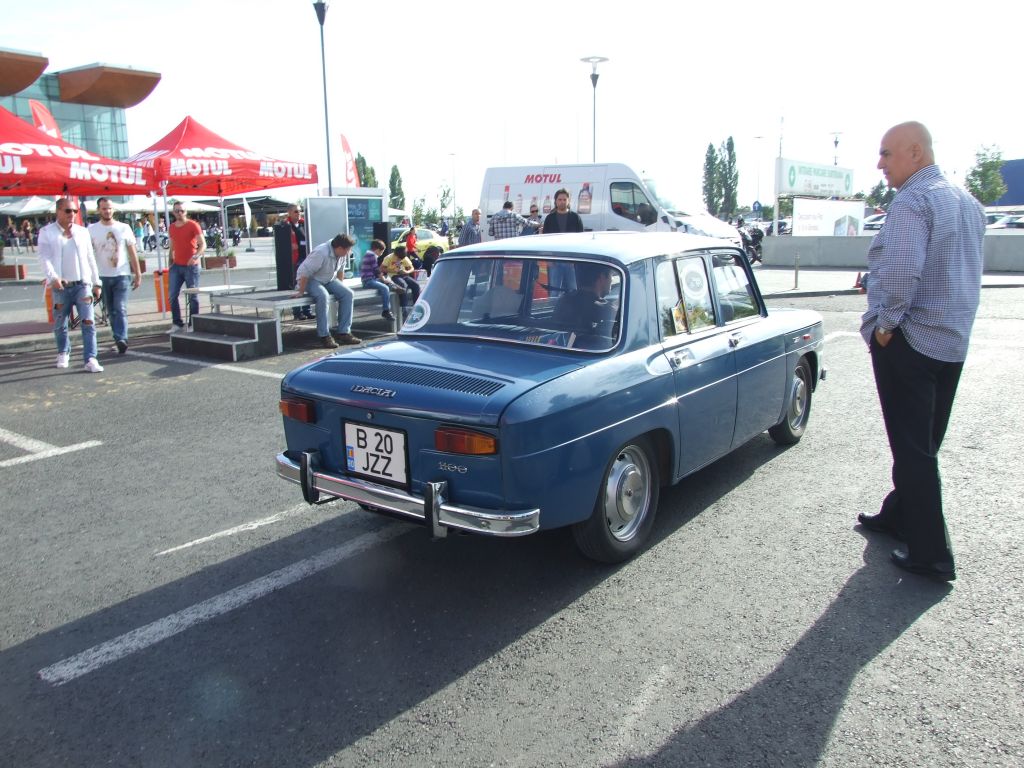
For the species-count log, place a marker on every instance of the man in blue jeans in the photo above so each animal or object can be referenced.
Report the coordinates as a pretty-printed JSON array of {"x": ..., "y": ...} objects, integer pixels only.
[
  {"x": 114, "y": 245},
  {"x": 69, "y": 266},
  {"x": 187, "y": 246},
  {"x": 318, "y": 277}
]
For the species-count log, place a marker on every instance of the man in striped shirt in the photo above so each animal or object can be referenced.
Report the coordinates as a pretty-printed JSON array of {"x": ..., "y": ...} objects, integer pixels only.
[{"x": 923, "y": 286}]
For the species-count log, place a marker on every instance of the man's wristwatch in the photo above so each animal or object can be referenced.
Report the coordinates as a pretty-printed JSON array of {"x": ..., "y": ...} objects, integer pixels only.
[{"x": 884, "y": 331}]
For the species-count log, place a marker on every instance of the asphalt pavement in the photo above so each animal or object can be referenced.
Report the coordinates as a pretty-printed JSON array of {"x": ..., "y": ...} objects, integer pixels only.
[{"x": 166, "y": 600}]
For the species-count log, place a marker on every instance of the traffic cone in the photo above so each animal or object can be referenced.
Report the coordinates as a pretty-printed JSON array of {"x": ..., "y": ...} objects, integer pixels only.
[{"x": 856, "y": 283}]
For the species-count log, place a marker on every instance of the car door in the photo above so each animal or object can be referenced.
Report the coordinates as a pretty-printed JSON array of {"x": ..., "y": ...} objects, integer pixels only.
[
  {"x": 701, "y": 360},
  {"x": 759, "y": 351}
]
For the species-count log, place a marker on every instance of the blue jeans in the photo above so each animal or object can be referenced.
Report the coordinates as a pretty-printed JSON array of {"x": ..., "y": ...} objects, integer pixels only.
[
  {"x": 382, "y": 289},
  {"x": 80, "y": 297},
  {"x": 115, "y": 299},
  {"x": 319, "y": 291},
  {"x": 189, "y": 276}
]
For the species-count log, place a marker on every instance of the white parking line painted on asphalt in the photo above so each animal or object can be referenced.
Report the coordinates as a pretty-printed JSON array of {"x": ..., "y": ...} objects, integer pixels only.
[
  {"x": 652, "y": 686},
  {"x": 139, "y": 639},
  {"x": 837, "y": 334},
  {"x": 201, "y": 364},
  {"x": 298, "y": 509},
  {"x": 37, "y": 449}
]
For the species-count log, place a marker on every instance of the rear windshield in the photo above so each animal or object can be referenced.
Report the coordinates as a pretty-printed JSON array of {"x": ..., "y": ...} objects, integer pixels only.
[{"x": 574, "y": 304}]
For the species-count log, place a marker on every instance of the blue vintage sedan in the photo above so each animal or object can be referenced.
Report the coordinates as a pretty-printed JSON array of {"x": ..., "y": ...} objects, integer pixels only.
[{"x": 555, "y": 380}]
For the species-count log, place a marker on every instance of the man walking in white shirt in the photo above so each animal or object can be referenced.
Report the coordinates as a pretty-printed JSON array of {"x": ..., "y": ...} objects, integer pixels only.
[
  {"x": 113, "y": 242},
  {"x": 69, "y": 265}
]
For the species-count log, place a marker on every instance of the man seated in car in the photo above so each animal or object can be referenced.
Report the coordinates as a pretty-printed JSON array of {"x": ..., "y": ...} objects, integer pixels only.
[{"x": 586, "y": 309}]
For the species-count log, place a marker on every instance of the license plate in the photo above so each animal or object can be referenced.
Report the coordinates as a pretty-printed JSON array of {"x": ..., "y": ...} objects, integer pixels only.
[{"x": 376, "y": 453}]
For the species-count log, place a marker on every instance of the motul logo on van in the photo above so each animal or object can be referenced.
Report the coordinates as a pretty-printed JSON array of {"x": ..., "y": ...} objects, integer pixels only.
[{"x": 543, "y": 178}]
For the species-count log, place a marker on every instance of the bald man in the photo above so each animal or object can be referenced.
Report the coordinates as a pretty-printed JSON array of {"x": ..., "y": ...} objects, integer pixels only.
[{"x": 923, "y": 286}]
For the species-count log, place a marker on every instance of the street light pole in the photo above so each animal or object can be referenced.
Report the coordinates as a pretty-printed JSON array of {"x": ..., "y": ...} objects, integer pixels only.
[
  {"x": 455, "y": 208},
  {"x": 321, "y": 14},
  {"x": 593, "y": 61}
]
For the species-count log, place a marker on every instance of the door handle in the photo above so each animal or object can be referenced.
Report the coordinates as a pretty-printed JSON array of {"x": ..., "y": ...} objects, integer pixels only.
[
  {"x": 682, "y": 358},
  {"x": 735, "y": 339}
]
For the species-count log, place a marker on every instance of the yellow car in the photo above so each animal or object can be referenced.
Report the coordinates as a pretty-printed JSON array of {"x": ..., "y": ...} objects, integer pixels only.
[{"x": 424, "y": 239}]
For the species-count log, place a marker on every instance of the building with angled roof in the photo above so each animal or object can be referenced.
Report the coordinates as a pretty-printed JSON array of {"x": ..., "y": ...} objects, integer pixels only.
[{"x": 88, "y": 103}]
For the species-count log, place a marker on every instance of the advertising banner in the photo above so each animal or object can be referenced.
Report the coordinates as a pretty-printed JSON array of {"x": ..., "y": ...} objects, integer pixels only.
[
  {"x": 795, "y": 177},
  {"x": 827, "y": 218}
]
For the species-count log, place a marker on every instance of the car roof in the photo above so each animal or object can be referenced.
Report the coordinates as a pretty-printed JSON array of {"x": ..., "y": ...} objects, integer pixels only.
[{"x": 622, "y": 247}]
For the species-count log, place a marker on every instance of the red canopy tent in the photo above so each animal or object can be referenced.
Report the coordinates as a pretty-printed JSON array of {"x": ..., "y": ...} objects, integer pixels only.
[
  {"x": 32, "y": 163},
  {"x": 193, "y": 160}
]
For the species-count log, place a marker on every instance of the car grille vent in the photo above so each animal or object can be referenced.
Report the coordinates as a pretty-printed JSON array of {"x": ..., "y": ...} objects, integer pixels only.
[{"x": 411, "y": 374}]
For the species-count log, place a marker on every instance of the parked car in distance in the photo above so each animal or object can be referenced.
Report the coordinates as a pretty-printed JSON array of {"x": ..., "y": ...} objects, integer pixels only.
[
  {"x": 555, "y": 380},
  {"x": 874, "y": 221},
  {"x": 424, "y": 239},
  {"x": 1013, "y": 221}
]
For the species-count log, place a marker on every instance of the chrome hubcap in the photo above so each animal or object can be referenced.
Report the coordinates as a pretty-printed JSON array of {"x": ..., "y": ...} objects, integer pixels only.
[{"x": 627, "y": 494}]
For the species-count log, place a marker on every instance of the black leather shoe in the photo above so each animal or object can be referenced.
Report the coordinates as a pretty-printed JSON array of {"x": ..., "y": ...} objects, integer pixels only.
[
  {"x": 880, "y": 525},
  {"x": 938, "y": 571}
]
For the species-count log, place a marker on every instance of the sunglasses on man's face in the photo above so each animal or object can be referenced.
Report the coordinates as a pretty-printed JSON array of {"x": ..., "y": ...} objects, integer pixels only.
[{"x": 70, "y": 210}]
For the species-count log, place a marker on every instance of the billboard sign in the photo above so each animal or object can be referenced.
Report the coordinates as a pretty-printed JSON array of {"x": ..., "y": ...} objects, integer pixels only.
[
  {"x": 794, "y": 177},
  {"x": 827, "y": 218}
]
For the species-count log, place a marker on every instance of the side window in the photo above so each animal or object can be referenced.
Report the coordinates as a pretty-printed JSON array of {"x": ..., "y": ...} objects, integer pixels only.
[
  {"x": 630, "y": 202},
  {"x": 732, "y": 287},
  {"x": 697, "y": 309},
  {"x": 670, "y": 316}
]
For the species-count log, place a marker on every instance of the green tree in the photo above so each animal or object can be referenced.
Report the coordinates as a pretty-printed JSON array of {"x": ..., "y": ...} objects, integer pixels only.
[
  {"x": 446, "y": 198},
  {"x": 729, "y": 177},
  {"x": 984, "y": 180},
  {"x": 397, "y": 196},
  {"x": 367, "y": 176},
  {"x": 881, "y": 195},
  {"x": 711, "y": 188}
]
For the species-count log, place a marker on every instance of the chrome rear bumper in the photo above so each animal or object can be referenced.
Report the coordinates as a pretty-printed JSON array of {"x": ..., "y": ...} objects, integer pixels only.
[{"x": 433, "y": 509}]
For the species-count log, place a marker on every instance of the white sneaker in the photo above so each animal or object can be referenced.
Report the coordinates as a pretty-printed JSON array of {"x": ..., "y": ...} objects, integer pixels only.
[
  {"x": 62, "y": 359},
  {"x": 93, "y": 366},
  {"x": 176, "y": 329}
]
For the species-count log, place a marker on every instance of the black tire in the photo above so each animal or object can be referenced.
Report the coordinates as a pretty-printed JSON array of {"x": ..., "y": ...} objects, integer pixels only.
[
  {"x": 798, "y": 407},
  {"x": 627, "y": 502}
]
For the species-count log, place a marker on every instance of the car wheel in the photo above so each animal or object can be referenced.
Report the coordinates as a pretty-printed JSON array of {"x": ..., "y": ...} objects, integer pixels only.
[
  {"x": 798, "y": 407},
  {"x": 626, "y": 504}
]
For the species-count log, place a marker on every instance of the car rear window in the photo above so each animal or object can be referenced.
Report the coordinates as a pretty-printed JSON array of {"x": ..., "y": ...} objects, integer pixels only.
[{"x": 566, "y": 303}]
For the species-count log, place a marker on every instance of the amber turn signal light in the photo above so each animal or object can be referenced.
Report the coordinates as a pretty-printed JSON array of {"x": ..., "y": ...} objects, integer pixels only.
[
  {"x": 298, "y": 409},
  {"x": 465, "y": 441}
]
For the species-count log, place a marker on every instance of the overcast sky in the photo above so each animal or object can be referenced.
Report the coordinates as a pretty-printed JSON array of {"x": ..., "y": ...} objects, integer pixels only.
[{"x": 448, "y": 89}]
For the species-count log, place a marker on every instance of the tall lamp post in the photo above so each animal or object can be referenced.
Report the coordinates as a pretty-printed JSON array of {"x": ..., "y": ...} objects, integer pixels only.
[
  {"x": 455, "y": 208},
  {"x": 321, "y": 14},
  {"x": 593, "y": 61}
]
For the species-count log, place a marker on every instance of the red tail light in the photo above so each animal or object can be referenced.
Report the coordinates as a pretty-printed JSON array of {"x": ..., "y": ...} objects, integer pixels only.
[
  {"x": 465, "y": 441},
  {"x": 298, "y": 409}
]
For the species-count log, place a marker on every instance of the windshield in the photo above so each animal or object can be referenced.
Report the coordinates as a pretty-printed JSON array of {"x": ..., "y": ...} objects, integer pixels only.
[{"x": 568, "y": 303}]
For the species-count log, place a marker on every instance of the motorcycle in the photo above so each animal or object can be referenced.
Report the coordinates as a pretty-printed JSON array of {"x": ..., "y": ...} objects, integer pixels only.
[
  {"x": 751, "y": 237},
  {"x": 236, "y": 236}
]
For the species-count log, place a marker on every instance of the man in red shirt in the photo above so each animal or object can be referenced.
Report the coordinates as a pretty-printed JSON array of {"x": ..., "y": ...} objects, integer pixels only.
[{"x": 187, "y": 246}]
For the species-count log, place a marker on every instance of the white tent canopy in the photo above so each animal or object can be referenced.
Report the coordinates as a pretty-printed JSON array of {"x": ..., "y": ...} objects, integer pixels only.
[
  {"x": 143, "y": 203},
  {"x": 29, "y": 206}
]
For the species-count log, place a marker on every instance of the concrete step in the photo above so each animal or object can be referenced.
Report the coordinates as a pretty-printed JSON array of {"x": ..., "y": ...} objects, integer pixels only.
[
  {"x": 217, "y": 345},
  {"x": 248, "y": 327}
]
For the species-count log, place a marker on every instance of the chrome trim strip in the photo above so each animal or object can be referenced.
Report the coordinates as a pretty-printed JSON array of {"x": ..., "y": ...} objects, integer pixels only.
[{"x": 475, "y": 519}]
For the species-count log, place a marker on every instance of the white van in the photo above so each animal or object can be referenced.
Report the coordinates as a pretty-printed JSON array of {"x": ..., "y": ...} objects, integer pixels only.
[{"x": 607, "y": 196}]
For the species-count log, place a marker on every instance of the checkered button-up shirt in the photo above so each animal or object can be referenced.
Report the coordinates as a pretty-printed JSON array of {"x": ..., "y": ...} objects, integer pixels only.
[
  {"x": 924, "y": 267},
  {"x": 506, "y": 223}
]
